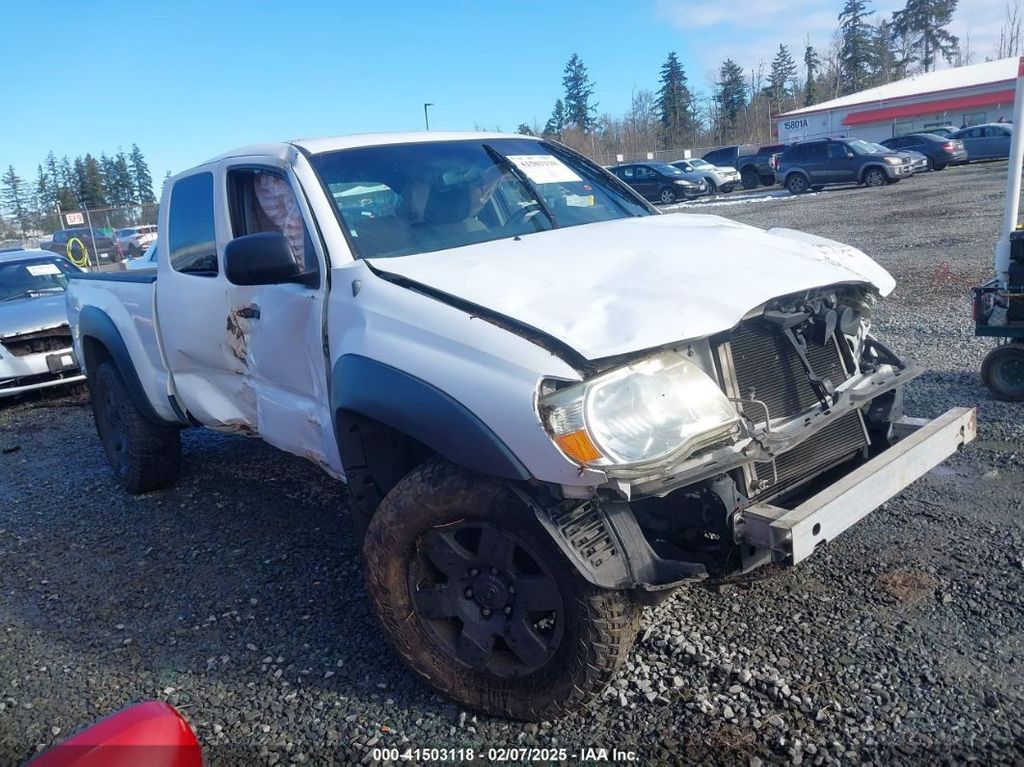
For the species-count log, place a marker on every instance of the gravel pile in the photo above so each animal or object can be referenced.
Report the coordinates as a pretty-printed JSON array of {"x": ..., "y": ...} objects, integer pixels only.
[{"x": 237, "y": 595}]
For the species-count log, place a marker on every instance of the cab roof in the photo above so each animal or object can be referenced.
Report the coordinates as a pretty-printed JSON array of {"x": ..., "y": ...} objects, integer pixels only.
[{"x": 282, "y": 149}]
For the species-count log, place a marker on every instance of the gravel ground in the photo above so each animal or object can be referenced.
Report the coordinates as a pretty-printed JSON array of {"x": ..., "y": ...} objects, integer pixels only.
[{"x": 237, "y": 595}]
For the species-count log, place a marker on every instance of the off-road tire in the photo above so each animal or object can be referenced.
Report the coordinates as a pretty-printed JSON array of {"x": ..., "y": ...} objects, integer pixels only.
[
  {"x": 1002, "y": 372},
  {"x": 597, "y": 633},
  {"x": 143, "y": 455},
  {"x": 750, "y": 178}
]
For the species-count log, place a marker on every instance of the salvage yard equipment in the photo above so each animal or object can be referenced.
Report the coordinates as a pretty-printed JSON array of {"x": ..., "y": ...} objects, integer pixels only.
[{"x": 998, "y": 305}]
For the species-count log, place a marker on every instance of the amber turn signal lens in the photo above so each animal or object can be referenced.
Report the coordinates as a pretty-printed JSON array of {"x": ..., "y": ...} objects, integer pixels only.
[{"x": 577, "y": 445}]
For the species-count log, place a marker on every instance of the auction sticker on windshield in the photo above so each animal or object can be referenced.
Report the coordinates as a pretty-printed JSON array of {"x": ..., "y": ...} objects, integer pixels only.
[
  {"x": 41, "y": 270},
  {"x": 544, "y": 169}
]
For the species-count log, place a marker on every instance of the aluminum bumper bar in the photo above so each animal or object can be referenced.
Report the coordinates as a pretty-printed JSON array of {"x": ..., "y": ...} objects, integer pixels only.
[{"x": 792, "y": 534}]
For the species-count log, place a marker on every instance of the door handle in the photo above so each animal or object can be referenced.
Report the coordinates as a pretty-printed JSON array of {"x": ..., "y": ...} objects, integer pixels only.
[{"x": 251, "y": 312}]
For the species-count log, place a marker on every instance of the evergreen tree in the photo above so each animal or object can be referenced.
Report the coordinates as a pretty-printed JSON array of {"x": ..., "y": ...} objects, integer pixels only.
[
  {"x": 141, "y": 177},
  {"x": 46, "y": 191},
  {"x": 119, "y": 181},
  {"x": 889, "y": 65},
  {"x": 14, "y": 197},
  {"x": 811, "y": 64},
  {"x": 730, "y": 95},
  {"x": 675, "y": 103},
  {"x": 782, "y": 80},
  {"x": 556, "y": 123},
  {"x": 856, "y": 49},
  {"x": 91, "y": 189},
  {"x": 580, "y": 113},
  {"x": 524, "y": 130},
  {"x": 923, "y": 23}
]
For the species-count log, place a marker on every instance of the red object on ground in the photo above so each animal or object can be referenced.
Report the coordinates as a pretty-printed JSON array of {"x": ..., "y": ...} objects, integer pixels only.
[{"x": 150, "y": 734}]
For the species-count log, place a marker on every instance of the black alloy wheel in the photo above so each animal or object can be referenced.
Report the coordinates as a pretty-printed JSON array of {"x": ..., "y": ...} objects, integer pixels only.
[{"x": 486, "y": 599}]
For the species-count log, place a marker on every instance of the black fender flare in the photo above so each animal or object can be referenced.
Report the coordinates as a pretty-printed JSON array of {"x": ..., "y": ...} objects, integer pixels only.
[
  {"x": 418, "y": 409},
  {"x": 95, "y": 324}
]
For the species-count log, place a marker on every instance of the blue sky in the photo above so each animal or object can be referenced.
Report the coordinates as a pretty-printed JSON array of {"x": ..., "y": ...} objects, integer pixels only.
[{"x": 189, "y": 79}]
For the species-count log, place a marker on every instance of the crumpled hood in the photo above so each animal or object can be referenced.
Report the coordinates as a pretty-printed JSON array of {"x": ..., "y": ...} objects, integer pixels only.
[
  {"x": 27, "y": 314},
  {"x": 632, "y": 284}
]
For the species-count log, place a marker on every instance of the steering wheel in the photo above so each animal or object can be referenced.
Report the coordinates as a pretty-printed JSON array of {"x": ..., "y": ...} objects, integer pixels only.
[{"x": 524, "y": 214}]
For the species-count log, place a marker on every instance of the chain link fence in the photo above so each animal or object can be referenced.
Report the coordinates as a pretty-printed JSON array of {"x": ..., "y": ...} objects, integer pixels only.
[{"x": 92, "y": 238}]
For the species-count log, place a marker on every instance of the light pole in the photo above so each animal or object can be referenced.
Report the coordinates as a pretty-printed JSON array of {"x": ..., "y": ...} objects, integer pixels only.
[{"x": 426, "y": 117}]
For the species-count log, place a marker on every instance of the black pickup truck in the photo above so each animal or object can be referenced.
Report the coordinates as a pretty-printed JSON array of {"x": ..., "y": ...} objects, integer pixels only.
[{"x": 752, "y": 162}]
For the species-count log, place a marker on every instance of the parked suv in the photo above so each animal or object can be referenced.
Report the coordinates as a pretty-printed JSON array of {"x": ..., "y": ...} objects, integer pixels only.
[
  {"x": 85, "y": 247},
  {"x": 133, "y": 240},
  {"x": 753, "y": 163},
  {"x": 660, "y": 181},
  {"x": 940, "y": 150},
  {"x": 718, "y": 179},
  {"x": 818, "y": 163}
]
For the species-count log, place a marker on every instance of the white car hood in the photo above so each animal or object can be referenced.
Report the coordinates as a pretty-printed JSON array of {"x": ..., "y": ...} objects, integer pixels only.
[{"x": 632, "y": 284}]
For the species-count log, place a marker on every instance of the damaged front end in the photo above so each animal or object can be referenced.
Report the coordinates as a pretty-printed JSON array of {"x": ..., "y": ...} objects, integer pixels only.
[{"x": 809, "y": 395}]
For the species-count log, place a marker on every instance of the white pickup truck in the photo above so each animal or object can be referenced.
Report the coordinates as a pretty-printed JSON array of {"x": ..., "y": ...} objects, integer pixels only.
[{"x": 551, "y": 405}]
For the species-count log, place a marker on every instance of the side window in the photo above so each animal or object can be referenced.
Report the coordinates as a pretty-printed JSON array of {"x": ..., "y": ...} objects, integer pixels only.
[
  {"x": 192, "y": 238},
  {"x": 262, "y": 200},
  {"x": 815, "y": 151},
  {"x": 627, "y": 173},
  {"x": 836, "y": 151}
]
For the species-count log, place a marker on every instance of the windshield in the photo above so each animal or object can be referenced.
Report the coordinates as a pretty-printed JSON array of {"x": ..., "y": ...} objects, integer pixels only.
[
  {"x": 402, "y": 199},
  {"x": 700, "y": 163},
  {"x": 863, "y": 147},
  {"x": 29, "y": 278},
  {"x": 665, "y": 169}
]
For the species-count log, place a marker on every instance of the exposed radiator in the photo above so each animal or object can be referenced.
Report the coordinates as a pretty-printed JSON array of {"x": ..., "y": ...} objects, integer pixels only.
[
  {"x": 36, "y": 342},
  {"x": 766, "y": 367}
]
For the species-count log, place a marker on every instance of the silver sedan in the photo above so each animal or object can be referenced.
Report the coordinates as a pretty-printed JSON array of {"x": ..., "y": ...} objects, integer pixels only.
[{"x": 35, "y": 341}]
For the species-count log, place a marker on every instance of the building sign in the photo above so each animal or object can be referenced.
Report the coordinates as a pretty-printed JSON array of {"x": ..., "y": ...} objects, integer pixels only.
[
  {"x": 74, "y": 219},
  {"x": 800, "y": 128}
]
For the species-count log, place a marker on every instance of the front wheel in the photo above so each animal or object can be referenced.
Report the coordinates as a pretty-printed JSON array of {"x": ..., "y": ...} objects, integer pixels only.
[
  {"x": 1002, "y": 371},
  {"x": 751, "y": 178},
  {"x": 143, "y": 455},
  {"x": 939, "y": 166},
  {"x": 667, "y": 196},
  {"x": 479, "y": 602},
  {"x": 875, "y": 177}
]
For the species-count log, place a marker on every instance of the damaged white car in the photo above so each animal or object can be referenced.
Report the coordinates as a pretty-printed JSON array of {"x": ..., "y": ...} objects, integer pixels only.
[
  {"x": 550, "y": 403},
  {"x": 35, "y": 340}
]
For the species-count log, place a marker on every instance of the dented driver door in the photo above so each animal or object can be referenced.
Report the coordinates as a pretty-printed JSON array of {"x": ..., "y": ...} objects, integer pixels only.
[{"x": 276, "y": 332}]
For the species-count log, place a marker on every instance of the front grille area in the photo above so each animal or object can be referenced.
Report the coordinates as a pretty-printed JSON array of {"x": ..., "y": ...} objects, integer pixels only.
[
  {"x": 766, "y": 367},
  {"x": 48, "y": 340},
  {"x": 830, "y": 446}
]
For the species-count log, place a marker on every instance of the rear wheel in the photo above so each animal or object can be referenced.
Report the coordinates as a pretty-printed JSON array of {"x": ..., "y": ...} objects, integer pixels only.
[
  {"x": 939, "y": 166},
  {"x": 479, "y": 602},
  {"x": 712, "y": 186},
  {"x": 750, "y": 178},
  {"x": 1002, "y": 371},
  {"x": 796, "y": 183},
  {"x": 667, "y": 196},
  {"x": 143, "y": 455},
  {"x": 875, "y": 177}
]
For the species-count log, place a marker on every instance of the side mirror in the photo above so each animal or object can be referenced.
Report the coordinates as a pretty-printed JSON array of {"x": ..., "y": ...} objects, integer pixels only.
[
  {"x": 850, "y": 154},
  {"x": 264, "y": 258}
]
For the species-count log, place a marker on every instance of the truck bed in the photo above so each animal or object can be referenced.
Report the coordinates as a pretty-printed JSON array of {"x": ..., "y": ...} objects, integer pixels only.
[{"x": 124, "y": 304}]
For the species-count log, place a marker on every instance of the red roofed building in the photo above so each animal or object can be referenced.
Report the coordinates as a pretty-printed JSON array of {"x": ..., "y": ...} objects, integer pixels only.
[{"x": 978, "y": 93}]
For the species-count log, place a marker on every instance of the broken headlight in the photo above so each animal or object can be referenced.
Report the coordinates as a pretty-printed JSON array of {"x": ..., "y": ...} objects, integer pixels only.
[{"x": 659, "y": 407}]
